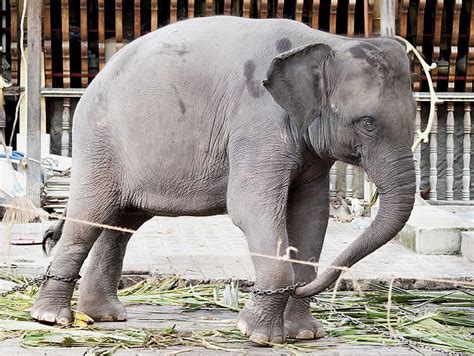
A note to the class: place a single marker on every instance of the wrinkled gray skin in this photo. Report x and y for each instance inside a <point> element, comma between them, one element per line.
<point>225,114</point>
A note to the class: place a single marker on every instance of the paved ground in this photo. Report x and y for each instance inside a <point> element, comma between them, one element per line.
<point>213,249</point>
<point>199,321</point>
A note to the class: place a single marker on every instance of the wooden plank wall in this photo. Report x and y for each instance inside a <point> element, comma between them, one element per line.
<point>442,30</point>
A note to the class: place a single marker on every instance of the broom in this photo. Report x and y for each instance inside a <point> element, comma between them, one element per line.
<point>20,211</point>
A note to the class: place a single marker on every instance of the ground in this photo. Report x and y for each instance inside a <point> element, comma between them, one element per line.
<point>212,249</point>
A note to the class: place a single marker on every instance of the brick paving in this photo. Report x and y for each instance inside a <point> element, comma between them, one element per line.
<point>212,248</point>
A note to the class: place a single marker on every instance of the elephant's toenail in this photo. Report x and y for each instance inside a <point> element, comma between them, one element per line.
<point>278,339</point>
<point>64,321</point>
<point>122,317</point>
<point>47,317</point>
<point>242,326</point>
<point>305,335</point>
<point>259,338</point>
<point>106,318</point>
<point>319,333</point>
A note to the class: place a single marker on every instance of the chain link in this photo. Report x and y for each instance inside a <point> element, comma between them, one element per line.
<point>354,321</point>
<point>34,282</point>
<point>289,290</point>
<point>37,281</point>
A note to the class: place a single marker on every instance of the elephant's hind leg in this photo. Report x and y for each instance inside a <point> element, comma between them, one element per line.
<point>53,302</point>
<point>98,289</point>
<point>308,213</point>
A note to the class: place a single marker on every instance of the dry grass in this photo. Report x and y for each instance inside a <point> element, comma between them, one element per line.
<point>444,320</point>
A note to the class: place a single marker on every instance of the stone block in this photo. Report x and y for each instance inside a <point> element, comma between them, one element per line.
<point>433,231</point>
<point>467,245</point>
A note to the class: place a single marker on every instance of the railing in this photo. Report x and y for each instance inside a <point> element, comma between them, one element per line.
<point>442,166</point>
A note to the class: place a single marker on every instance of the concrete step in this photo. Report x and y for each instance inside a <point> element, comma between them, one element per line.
<point>434,231</point>
<point>467,245</point>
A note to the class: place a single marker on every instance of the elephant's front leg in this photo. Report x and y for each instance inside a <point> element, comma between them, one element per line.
<point>258,207</point>
<point>308,213</point>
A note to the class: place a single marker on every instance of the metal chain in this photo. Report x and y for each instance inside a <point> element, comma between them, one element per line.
<point>290,289</point>
<point>48,275</point>
<point>34,282</point>
<point>37,281</point>
<point>354,321</point>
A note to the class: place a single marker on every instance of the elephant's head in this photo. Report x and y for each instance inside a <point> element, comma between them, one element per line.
<point>353,103</point>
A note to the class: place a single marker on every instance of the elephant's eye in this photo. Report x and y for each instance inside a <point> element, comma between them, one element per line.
<point>369,124</point>
<point>366,124</point>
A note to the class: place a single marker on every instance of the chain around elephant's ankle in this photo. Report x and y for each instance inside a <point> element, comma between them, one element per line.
<point>48,275</point>
<point>287,290</point>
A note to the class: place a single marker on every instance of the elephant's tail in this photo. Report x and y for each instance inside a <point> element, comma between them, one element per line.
<point>52,235</point>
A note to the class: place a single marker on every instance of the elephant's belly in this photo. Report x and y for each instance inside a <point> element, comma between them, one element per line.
<point>188,198</point>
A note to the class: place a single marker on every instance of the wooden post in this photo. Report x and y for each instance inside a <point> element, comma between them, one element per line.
<point>33,95</point>
<point>387,18</point>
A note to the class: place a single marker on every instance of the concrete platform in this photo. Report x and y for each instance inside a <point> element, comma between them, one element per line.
<point>467,245</point>
<point>434,231</point>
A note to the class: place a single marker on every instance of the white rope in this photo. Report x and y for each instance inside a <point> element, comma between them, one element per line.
<point>434,100</point>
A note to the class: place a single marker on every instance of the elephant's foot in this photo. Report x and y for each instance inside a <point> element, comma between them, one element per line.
<point>53,304</point>
<point>299,323</point>
<point>102,308</point>
<point>262,319</point>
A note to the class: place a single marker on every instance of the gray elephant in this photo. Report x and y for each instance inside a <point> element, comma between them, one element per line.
<point>228,115</point>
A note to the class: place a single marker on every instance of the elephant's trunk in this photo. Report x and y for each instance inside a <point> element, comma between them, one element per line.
<point>395,179</point>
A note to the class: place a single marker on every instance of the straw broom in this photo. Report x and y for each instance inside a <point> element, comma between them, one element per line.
<point>20,211</point>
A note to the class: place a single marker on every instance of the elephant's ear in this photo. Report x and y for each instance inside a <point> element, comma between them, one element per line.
<point>296,80</point>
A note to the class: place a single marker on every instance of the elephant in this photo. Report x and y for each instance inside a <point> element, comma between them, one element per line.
<point>240,116</point>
